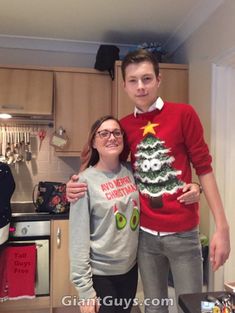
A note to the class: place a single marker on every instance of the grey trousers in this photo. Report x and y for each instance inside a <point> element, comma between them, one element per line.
<point>181,252</point>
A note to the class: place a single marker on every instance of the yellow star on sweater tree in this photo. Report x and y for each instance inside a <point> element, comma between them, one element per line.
<point>149,128</point>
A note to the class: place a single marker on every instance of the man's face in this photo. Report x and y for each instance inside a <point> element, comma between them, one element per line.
<point>141,84</point>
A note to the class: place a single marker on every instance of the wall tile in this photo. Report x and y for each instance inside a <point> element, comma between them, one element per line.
<point>44,166</point>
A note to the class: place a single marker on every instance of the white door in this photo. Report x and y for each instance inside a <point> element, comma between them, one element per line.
<point>223,150</point>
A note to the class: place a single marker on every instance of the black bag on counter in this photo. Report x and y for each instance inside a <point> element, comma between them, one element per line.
<point>51,197</point>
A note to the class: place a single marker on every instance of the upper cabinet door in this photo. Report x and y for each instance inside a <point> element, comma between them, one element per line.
<point>80,99</point>
<point>174,82</point>
<point>24,91</point>
<point>173,87</point>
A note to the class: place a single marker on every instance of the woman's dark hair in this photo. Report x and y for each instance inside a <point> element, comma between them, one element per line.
<point>139,56</point>
<point>89,155</point>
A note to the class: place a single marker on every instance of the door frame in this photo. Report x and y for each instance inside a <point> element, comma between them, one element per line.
<point>223,151</point>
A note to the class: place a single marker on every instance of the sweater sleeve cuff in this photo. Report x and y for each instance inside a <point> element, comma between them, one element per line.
<point>87,294</point>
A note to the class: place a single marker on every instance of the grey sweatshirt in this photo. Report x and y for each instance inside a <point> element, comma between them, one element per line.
<point>104,227</point>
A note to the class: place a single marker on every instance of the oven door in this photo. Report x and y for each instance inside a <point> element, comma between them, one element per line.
<point>42,284</point>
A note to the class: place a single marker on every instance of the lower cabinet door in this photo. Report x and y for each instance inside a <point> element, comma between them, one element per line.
<point>61,287</point>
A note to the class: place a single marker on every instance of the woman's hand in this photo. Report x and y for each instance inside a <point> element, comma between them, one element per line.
<point>191,194</point>
<point>90,306</point>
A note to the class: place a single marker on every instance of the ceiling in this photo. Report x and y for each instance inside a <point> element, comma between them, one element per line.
<point>123,22</point>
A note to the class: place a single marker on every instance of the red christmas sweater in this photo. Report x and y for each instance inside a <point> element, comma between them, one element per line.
<point>163,145</point>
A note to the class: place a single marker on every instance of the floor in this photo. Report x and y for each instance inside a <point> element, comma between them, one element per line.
<point>140,297</point>
<point>171,294</point>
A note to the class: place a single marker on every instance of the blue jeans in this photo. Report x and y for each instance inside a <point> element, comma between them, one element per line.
<point>181,252</point>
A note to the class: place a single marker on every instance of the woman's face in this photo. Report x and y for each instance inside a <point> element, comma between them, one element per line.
<point>108,139</point>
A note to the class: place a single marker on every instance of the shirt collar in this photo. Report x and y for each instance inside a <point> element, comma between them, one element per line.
<point>158,104</point>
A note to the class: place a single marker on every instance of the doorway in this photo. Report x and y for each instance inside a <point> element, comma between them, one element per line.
<point>223,151</point>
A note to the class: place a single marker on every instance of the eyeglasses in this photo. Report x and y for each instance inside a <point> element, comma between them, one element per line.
<point>105,134</point>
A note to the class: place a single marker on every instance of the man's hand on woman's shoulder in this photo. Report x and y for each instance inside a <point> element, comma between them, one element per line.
<point>74,189</point>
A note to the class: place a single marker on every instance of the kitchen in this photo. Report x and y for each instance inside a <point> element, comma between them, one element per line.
<point>45,163</point>
<point>42,159</point>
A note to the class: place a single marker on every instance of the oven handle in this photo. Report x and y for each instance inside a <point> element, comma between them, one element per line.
<point>58,237</point>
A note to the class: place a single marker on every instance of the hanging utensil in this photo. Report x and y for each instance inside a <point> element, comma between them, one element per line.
<point>41,136</point>
<point>17,156</point>
<point>4,144</point>
<point>28,153</point>
<point>9,153</point>
<point>1,141</point>
<point>20,144</point>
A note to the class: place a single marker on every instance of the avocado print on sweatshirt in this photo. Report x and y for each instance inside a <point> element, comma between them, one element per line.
<point>121,220</point>
<point>135,217</point>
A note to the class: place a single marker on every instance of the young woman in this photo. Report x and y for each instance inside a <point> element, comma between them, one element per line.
<point>104,225</point>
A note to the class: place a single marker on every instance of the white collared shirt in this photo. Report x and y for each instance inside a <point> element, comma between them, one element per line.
<point>158,104</point>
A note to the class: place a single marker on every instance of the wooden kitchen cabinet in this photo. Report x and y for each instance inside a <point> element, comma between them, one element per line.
<point>174,87</point>
<point>60,284</point>
<point>60,265</point>
<point>26,91</point>
<point>80,98</point>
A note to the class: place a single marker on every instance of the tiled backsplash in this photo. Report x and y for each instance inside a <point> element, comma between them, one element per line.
<point>44,166</point>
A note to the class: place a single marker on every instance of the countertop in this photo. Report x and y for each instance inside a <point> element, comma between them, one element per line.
<point>35,216</point>
<point>191,303</point>
<point>26,211</point>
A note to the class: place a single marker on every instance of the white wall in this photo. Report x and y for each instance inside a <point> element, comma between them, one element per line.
<point>212,43</point>
<point>12,56</point>
<point>209,43</point>
<point>49,52</point>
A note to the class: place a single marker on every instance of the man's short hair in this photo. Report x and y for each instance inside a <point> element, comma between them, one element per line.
<point>139,56</point>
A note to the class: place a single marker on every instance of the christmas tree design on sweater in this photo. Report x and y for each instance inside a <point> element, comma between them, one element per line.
<point>154,173</point>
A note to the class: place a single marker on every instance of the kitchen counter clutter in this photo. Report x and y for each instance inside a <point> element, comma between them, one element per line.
<point>197,302</point>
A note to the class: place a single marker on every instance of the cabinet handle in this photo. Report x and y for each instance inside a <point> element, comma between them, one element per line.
<point>12,106</point>
<point>58,237</point>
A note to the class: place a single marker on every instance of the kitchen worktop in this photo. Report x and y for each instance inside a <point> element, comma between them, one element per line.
<point>191,303</point>
<point>25,211</point>
<point>35,216</point>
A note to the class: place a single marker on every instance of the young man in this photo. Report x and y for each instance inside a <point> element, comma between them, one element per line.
<point>164,138</point>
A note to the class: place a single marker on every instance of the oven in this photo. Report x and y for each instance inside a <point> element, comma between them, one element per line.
<point>37,232</point>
